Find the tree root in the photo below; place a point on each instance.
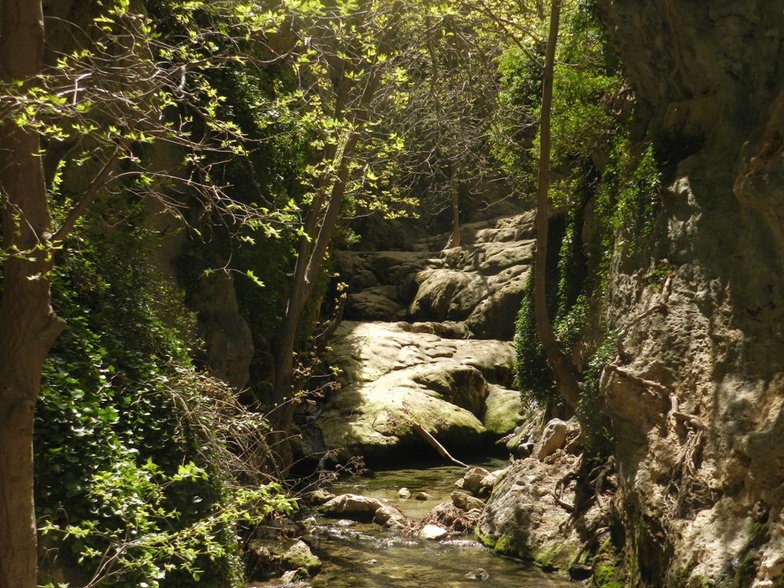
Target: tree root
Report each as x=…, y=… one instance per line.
x=592, y=486
x=661, y=389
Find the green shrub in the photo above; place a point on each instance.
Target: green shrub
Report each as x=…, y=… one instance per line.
x=132, y=486
x=606, y=196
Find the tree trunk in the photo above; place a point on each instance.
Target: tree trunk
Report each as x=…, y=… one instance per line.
x=565, y=377
x=308, y=267
x=29, y=327
x=454, y=201
x=310, y=259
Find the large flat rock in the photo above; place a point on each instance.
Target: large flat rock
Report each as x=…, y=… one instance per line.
x=394, y=375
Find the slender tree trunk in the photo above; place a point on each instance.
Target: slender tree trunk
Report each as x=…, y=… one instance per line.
x=28, y=327
x=310, y=260
x=566, y=380
x=320, y=228
x=308, y=267
x=454, y=200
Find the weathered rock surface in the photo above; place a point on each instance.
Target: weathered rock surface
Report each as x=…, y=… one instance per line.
x=427, y=342
x=389, y=516
x=293, y=562
x=300, y=558
x=479, y=284
x=696, y=396
x=227, y=338
x=351, y=504
x=529, y=513
x=466, y=502
x=455, y=520
x=432, y=532
x=553, y=438
x=479, y=574
x=478, y=481
x=394, y=376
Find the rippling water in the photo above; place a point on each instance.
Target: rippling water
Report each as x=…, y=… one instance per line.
x=363, y=555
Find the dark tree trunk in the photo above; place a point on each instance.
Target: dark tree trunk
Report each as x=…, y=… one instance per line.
x=28, y=327
x=310, y=260
x=320, y=227
x=566, y=380
x=454, y=202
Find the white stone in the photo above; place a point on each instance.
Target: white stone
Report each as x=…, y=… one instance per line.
x=433, y=532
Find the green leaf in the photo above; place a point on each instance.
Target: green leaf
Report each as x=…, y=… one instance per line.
x=254, y=279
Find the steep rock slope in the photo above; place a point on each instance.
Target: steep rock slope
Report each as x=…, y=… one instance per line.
x=428, y=343
x=696, y=392
x=479, y=285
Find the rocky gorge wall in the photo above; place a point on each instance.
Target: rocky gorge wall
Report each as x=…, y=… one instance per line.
x=696, y=391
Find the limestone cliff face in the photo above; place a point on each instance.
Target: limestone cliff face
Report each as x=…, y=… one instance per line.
x=696, y=394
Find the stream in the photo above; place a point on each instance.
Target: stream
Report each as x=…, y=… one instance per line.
x=364, y=555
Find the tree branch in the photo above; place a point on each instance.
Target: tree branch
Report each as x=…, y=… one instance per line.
x=101, y=180
x=435, y=444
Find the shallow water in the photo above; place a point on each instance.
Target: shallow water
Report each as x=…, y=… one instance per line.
x=364, y=555
x=438, y=481
x=365, y=558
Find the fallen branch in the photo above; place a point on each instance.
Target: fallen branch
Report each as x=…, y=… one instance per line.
x=436, y=445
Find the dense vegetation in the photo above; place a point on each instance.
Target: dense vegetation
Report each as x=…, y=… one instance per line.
x=135, y=477
x=605, y=181
x=264, y=131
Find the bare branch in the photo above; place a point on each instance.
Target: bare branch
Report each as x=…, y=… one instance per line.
x=98, y=184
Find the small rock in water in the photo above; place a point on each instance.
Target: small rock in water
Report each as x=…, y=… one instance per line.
x=421, y=496
x=319, y=496
x=472, y=481
x=290, y=577
x=351, y=504
x=299, y=557
x=404, y=493
x=466, y=502
x=389, y=516
x=478, y=574
x=433, y=532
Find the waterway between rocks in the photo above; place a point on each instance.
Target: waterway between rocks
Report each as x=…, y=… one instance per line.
x=365, y=555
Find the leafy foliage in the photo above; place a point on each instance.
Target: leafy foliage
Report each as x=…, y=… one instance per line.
x=629, y=195
x=450, y=88
x=132, y=478
x=516, y=127
x=261, y=113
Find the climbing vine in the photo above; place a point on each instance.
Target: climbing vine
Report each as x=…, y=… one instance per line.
x=135, y=480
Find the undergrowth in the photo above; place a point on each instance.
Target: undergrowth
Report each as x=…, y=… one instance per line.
x=605, y=194
x=146, y=471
